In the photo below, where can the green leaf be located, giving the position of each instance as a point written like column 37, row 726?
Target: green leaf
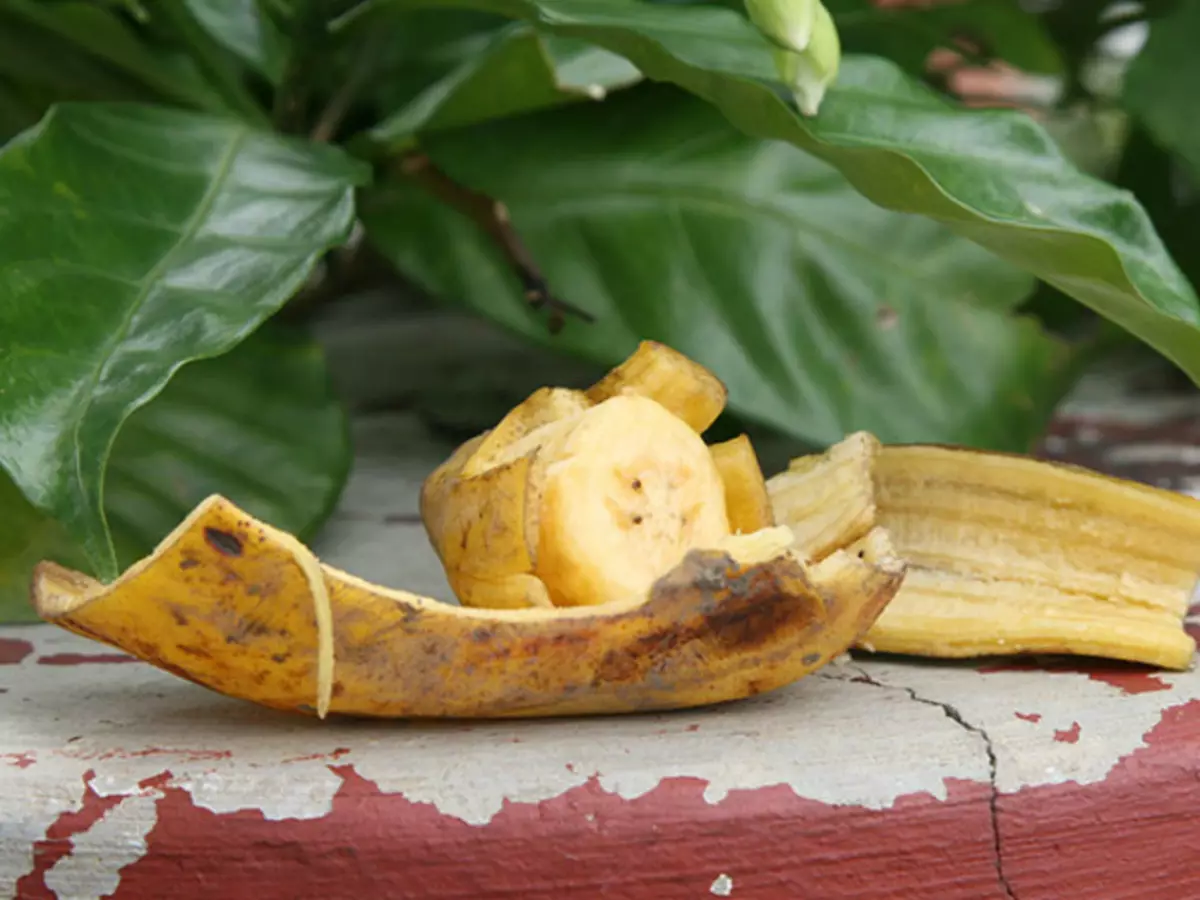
column 259, row 425
column 100, row 33
column 1162, row 83
column 134, row 239
column 33, row 58
column 821, row 312
column 995, row 177
column 243, row 28
column 515, row 71
column 998, row 29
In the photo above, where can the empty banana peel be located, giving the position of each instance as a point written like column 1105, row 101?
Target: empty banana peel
column 606, row 558
column 1006, row 554
column 232, row 604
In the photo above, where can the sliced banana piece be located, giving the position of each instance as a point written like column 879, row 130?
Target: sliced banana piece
column 656, row 371
column 631, row 489
column 746, row 500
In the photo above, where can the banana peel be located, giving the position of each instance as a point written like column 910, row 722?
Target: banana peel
column 230, row 603
column 605, row 558
column 1006, row 554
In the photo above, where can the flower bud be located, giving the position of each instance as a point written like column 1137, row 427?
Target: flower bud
column 788, row 23
column 807, row 50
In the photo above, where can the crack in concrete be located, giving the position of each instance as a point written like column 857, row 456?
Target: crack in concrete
column 863, row 677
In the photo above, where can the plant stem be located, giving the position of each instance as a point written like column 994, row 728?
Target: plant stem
column 339, row 104
column 492, row 217
column 308, row 33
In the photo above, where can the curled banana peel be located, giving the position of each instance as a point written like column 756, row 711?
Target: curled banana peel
column 606, row 559
column 1006, row 554
column 231, row 603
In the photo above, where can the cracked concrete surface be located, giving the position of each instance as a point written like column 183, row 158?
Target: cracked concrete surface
column 863, row 676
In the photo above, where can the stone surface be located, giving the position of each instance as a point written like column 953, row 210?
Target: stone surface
column 875, row 779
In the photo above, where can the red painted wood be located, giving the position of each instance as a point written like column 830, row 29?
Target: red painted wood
column 57, row 842
column 670, row 843
column 1133, row 837
column 13, row 651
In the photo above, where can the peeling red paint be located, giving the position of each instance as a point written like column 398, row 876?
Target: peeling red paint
column 1132, row 682
column 162, row 779
column 20, row 760
column 1128, row 678
column 57, row 842
column 668, row 843
column 1068, row 735
column 693, row 727
column 1029, row 717
column 83, row 659
column 187, row 755
column 313, row 757
column 13, row 651
column 1130, row 834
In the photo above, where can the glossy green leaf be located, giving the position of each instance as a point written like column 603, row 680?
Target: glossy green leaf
column 995, row 177
column 1163, row 82
column 907, row 34
column 259, row 425
column 517, row 70
column 244, row 28
column 822, row 312
column 132, row 240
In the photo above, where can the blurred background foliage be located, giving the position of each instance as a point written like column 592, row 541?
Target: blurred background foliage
column 228, row 226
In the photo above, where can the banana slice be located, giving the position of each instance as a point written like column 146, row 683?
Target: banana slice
column 629, row 491
column 668, row 377
column 523, row 429
column 746, row 500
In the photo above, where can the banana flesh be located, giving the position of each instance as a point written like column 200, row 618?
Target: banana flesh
column 666, row 376
column 229, row 602
column 746, row 501
column 581, row 498
column 630, row 489
column 1007, row 554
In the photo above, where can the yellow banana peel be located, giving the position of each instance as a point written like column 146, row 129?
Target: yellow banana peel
column 231, row 603
column 1006, row 554
column 606, row 559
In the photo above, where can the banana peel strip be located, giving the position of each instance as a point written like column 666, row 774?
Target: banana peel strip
column 242, row 608
column 1007, row 554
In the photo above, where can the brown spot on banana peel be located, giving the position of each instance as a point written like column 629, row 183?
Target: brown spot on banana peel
column 709, row 632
